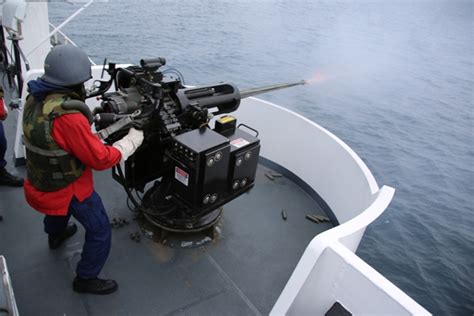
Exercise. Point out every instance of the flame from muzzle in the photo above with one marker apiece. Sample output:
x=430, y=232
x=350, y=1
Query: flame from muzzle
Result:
x=317, y=78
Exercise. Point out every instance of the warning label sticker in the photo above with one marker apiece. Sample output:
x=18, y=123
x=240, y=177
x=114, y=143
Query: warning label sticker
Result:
x=181, y=175
x=239, y=142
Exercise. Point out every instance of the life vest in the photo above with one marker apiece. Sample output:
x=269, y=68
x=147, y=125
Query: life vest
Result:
x=49, y=168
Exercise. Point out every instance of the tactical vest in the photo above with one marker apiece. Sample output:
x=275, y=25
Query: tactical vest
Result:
x=49, y=167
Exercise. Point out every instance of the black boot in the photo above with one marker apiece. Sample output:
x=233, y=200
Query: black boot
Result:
x=94, y=286
x=7, y=179
x=55, y=240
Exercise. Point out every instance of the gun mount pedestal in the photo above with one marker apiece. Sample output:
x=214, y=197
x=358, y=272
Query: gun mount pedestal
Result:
x=164, y=211
x=170, y=223
x=172, y=216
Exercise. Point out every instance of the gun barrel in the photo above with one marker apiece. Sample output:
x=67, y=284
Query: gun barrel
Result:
x=254, y=91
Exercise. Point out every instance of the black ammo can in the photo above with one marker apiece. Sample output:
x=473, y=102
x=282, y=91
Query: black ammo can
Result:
x=201, y=159
x=244, y=154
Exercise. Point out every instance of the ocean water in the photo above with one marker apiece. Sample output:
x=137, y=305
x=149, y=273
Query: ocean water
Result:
x=397, y=85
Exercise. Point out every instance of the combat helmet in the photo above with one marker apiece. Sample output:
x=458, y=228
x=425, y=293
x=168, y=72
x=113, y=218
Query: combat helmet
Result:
x=66, y=65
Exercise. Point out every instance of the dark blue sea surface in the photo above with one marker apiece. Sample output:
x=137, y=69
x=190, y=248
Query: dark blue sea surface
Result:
x=397, y=86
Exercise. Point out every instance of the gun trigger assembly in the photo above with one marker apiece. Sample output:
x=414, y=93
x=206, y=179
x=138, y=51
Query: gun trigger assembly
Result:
x=123, y=122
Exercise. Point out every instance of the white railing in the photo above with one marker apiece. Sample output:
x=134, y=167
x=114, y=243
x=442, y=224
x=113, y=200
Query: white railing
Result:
x=7, y=299
x=329, y=270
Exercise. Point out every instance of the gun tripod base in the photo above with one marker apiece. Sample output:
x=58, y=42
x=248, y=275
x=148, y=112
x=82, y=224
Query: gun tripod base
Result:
x=176, y=221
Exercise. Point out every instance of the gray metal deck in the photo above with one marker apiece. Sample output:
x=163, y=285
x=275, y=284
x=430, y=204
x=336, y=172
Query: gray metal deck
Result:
x=241, y=272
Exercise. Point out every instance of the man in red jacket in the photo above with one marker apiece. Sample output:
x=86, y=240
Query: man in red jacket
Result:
x=61, y=152
x=5, y=177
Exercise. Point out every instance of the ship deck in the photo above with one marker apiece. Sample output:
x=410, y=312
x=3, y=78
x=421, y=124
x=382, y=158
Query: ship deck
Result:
x=241, y=271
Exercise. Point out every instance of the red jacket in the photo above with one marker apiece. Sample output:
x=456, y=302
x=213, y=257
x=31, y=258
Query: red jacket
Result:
x=72, y=133
x=3, y=111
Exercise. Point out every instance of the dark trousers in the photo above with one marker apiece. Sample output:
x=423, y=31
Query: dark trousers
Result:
x=3, y=146
x=91, y=214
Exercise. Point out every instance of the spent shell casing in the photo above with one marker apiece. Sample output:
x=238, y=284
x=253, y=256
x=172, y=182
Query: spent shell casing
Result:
x=313, y=219
x=269, y=176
